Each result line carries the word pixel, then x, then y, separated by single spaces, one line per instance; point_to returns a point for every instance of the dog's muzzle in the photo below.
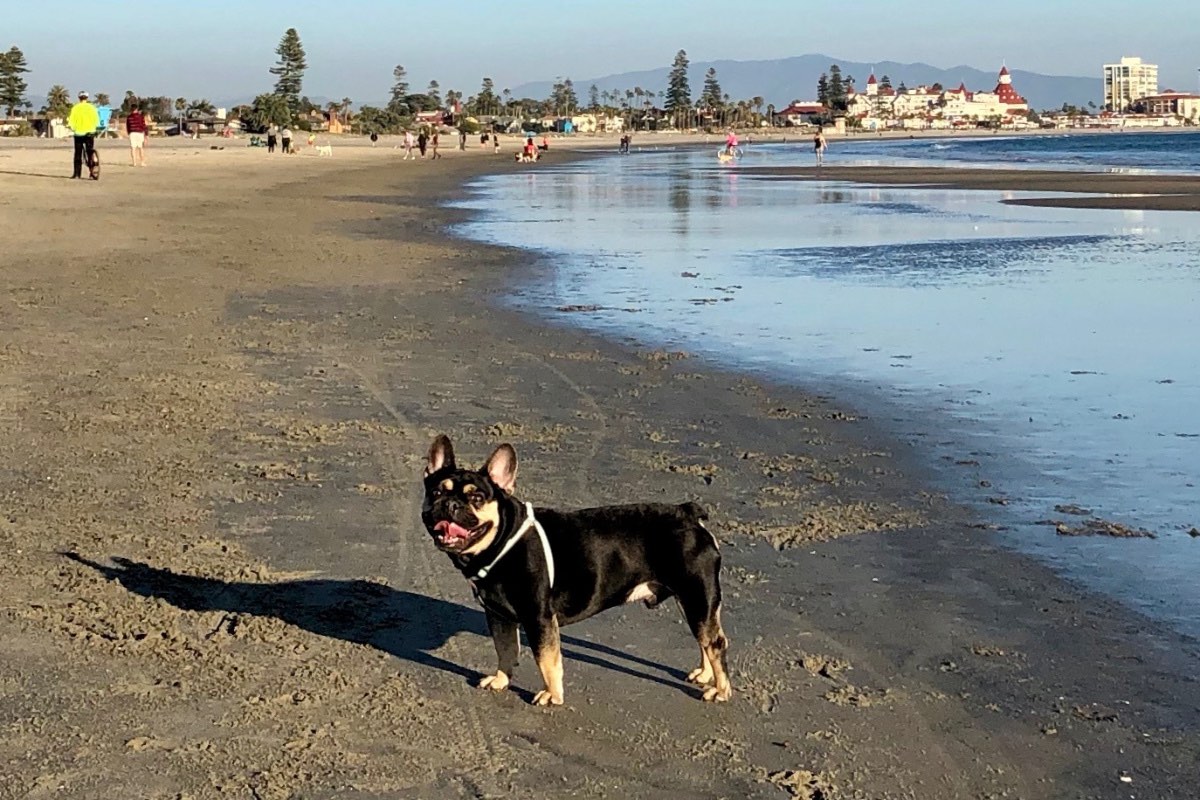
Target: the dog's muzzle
pixel 449 535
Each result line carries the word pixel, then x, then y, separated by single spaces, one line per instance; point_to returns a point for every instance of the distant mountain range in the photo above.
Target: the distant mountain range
pixel 782 80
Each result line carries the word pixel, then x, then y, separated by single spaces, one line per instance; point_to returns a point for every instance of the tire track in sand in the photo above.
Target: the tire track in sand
pixel 404 502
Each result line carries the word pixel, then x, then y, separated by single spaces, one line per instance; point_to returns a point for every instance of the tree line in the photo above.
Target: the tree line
pixel 286 105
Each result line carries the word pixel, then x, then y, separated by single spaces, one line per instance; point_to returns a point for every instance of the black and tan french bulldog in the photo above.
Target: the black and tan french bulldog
pixel 539 569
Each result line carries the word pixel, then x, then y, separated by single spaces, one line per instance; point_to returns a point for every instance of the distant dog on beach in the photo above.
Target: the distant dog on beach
pixel 325 150
pixel 541 568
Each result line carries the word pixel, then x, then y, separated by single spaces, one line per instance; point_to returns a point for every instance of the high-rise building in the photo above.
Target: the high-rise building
pixel 1128 82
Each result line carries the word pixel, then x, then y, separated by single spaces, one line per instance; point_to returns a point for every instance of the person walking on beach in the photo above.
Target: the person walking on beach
pixel 285 139
pixel 135 126
pixel 819 146
pixel 83 121
pixel 462 138
pixel 272 137
pixel 374 138
pixel 433 144
pixel 496 144
pixel 422 142
pixel 408 145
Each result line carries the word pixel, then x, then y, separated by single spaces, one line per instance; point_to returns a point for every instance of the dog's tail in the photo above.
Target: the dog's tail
pixel 694 511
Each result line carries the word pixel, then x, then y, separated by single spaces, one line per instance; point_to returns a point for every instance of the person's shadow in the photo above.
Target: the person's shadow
pixel 403 624
pixel 34 174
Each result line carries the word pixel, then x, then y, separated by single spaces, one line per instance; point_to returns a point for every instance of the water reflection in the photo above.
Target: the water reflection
pixel 1058 341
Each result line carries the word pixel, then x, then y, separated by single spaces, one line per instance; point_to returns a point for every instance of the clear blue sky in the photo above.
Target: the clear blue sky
pixel 221 49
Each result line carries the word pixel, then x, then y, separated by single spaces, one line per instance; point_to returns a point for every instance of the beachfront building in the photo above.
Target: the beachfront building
pixel 801 112
pixel 1127 82
pixel 877 102
pixel 597 123
pixel 936 107
pixel 1004 103
pixel 432 119
pixel 917 102
pixel 1176 104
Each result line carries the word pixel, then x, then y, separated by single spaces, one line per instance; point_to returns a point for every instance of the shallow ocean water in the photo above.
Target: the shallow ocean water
pixel 1142 151
pixel 1051 352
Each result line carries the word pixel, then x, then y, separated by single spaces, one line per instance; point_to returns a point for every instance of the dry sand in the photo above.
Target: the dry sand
pixel 218 378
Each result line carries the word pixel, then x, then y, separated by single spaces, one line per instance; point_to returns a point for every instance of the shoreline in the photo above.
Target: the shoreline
pixel 960 451
pixel 1088 189
pixel 242 414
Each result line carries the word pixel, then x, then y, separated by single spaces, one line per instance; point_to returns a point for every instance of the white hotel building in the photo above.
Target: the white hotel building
pixel 1128 82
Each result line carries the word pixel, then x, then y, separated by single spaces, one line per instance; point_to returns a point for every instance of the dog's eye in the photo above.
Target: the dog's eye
pixel 476 498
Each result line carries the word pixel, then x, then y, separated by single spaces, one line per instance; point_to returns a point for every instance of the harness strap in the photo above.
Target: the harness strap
pixel 530 522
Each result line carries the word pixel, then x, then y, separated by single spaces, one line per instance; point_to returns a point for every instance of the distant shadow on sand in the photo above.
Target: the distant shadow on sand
pixel 403 624
pixel 34 174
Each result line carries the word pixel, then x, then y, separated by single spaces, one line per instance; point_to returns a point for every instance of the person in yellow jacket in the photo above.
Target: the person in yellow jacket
pixel 83 122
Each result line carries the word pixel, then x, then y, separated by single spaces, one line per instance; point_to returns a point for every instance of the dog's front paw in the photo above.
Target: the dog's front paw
pixel 718 694
pixel 701 675
pixel 546 698
pixel 497 682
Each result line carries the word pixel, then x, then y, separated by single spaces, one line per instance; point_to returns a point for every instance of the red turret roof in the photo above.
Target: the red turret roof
pixel 1006 91
pixel 871 79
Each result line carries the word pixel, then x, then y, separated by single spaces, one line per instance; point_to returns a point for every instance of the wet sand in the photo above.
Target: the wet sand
pixel 1090 189
pixel 218 380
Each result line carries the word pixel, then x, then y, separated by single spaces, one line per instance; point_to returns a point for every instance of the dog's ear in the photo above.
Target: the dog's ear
pixel 501 467
pixel 441 455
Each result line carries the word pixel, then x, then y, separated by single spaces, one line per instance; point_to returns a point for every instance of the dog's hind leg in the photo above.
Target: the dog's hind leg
pixel 716 645
pixel 701 602
pixel 543 638
pixel 508 648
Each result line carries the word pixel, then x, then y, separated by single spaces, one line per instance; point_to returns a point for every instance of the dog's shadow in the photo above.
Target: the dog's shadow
pixel 403 624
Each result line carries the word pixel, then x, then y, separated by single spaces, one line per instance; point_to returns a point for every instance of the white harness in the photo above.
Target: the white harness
pixel 530 522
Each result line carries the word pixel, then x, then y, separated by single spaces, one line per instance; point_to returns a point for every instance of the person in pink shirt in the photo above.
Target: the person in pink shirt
pixel 731 143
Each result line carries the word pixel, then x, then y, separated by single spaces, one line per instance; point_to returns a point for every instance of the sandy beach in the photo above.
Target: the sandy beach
pixel 218 380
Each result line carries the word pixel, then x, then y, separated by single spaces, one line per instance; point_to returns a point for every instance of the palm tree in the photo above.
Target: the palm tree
pixel 345 107
pixel 180 104
pixel 58 101
pixel 201 107
pixel 507 93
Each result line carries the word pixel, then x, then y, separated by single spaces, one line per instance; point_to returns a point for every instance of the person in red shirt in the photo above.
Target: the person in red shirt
pixel 135 126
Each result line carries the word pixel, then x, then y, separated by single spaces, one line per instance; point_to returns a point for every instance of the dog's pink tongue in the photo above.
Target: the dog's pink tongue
pixel 452 529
